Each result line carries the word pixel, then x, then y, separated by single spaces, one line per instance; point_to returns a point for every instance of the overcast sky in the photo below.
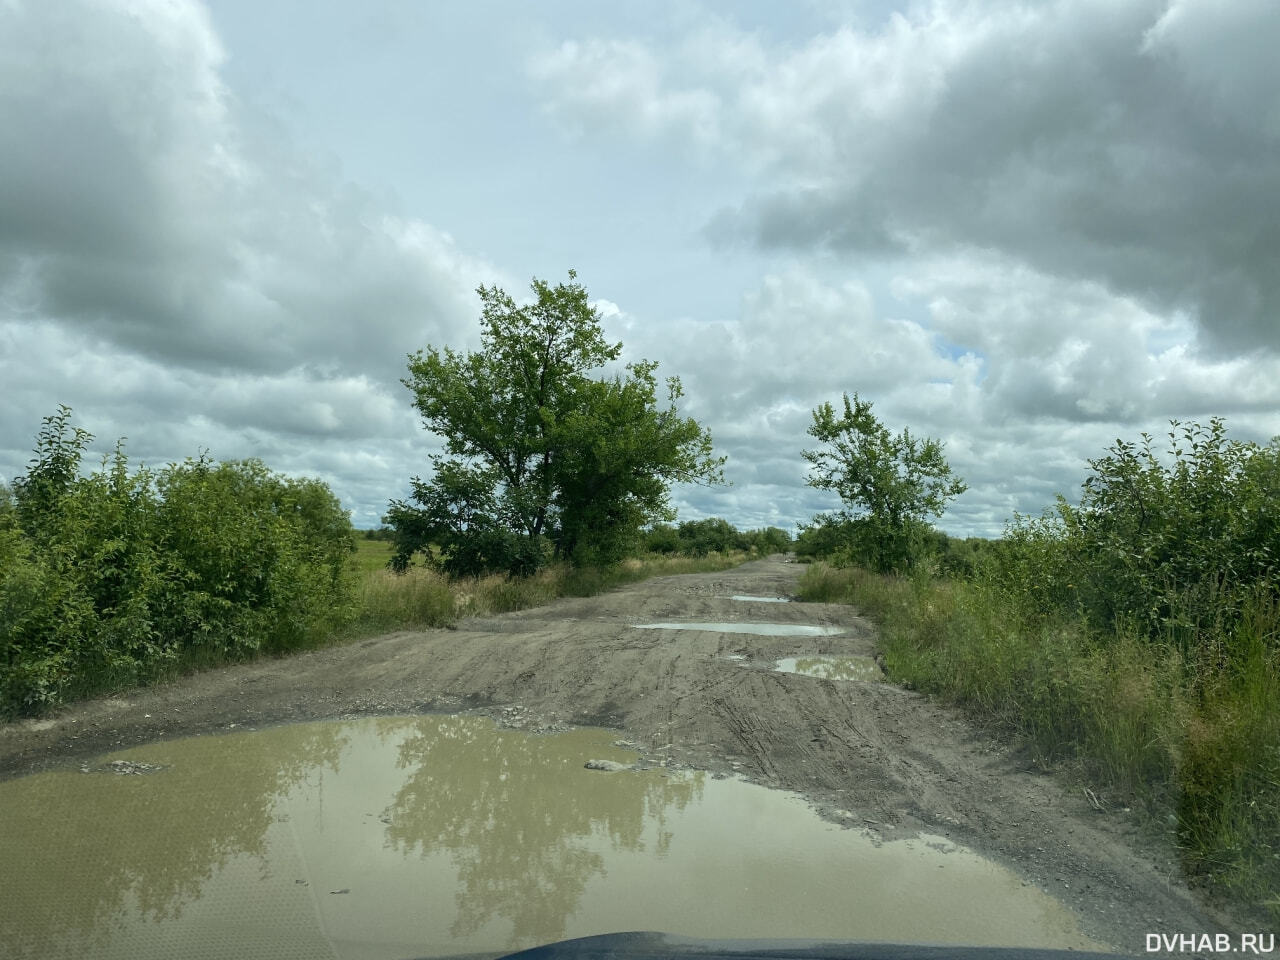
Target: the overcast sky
pixel 1025 229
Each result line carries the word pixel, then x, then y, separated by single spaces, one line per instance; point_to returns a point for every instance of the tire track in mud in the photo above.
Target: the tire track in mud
pixel 744 729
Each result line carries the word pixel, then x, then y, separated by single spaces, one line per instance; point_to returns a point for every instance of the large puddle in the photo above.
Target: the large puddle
pixel 758 629
pixel 834 667
pixel 411 837
pixel 754 599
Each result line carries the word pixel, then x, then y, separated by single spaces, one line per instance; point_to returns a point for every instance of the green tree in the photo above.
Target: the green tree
pixel 538 451
pixel 889 484
pixel 712 535
pixel 769 540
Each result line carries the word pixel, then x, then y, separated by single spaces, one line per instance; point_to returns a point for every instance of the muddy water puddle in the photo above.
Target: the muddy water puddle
pixel 831 667
pixel 426 836
pixel 757 629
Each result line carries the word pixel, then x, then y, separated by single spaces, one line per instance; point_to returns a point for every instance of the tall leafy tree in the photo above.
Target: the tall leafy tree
pixel 538 451
pixel 889 483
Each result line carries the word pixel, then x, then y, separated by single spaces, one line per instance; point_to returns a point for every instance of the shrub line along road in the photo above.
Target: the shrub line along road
pixel 868 755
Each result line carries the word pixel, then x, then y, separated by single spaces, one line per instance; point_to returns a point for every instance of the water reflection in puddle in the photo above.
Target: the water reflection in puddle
pixel 398 837
pixel 758 629
pixel 751 599
pixel 832 667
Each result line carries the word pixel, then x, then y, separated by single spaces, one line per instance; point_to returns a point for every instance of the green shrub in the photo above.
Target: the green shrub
pixel 661 538
pixel 110 578
pixel 698 538
pixel 869 541
pixel 1136 636
pixel 712 535
pixel 1173 549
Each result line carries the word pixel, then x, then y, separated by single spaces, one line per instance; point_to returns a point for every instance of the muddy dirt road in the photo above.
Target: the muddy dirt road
pixel 869 755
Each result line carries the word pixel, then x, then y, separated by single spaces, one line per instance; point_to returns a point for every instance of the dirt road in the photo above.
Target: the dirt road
pixel 867 754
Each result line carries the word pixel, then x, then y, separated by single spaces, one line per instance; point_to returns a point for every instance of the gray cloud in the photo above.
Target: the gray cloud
pixel 1132 143
pixel 1017 228
pixel 1053 371
pixel 180 272
pixel 145 204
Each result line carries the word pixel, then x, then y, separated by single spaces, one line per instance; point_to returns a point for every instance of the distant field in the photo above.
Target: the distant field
pixel 371 554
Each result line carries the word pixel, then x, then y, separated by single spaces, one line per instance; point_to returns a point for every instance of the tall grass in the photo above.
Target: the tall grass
pixel 422 597
pixel 1193 739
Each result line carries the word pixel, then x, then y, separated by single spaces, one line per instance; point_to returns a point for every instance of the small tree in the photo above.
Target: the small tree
pixel 889 484
pixel 1175 547
pixel 537 451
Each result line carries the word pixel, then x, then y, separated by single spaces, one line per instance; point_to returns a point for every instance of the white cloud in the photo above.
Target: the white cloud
pixel 1130 143
pixel 177 270
pixel 145 204
pixel 1025 229
pixel 620 84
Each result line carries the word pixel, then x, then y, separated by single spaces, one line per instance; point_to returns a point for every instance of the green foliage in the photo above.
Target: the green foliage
pixel 51 474
pixel 618 454
pixel 699 538
pixel 824 538
pixel 768 540
pixel 889 485
pixel 869 541
pixel 1175 549
pixel 541 460
pixel 959 558
pixel 712 535
pixel 107 578
pixel 662 538
pixel 1136 635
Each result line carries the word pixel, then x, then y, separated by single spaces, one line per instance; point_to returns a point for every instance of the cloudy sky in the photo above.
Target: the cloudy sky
pixel 1025 229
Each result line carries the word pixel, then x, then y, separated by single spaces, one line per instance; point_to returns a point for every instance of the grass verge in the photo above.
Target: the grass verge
pixel 1195 745
pixel 382 601
pixel 421 597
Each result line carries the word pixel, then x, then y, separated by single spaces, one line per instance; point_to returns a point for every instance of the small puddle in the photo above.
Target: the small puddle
pixel 759 629
pixel 749 599
pixel 395 837
pixel 832 667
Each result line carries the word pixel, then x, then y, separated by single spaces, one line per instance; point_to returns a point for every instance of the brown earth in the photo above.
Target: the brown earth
pixel 866 754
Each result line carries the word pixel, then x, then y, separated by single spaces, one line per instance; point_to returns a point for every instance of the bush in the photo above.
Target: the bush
pixel 1137 635
pixel 868 541
pixel 661 538
pixel 106 579
pixel 768 540
pixel 698 538
pixel 1175 551
pixel 713 535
